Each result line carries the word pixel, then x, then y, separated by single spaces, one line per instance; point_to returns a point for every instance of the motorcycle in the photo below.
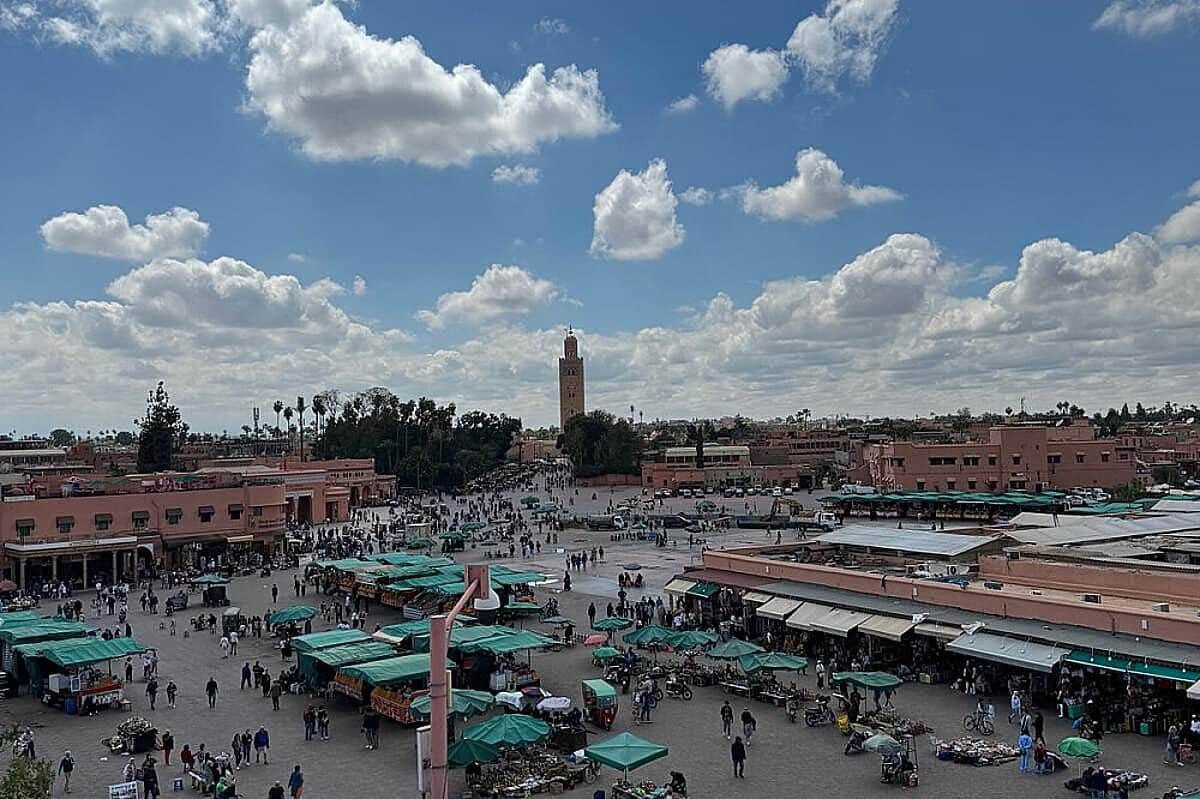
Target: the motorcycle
pixel 792 709
pixel 620 676
pixel 678 784
pixel 677 688
pixel 820 713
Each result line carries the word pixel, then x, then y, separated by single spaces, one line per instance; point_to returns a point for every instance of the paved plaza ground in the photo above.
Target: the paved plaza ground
pixel 786 760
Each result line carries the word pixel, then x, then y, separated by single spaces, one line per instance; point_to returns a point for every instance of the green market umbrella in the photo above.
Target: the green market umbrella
pixel 733 649
pixel 514 729
pixel 650 634
pixel 470 527
pixel 612 623
pixel 625 751
pixel 292 614
pixel 771 661
pixel 531 500
pixel 1079 748
pixel 210 579
pixel 463 703
pixel 465 752
pixel 420 543
pixel 875 680
pixel 691 639
pixel 601 653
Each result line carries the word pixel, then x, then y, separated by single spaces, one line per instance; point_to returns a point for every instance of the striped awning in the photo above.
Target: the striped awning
pixel 839 621
pixel 777 609
pixel 889 627
pixel 678 586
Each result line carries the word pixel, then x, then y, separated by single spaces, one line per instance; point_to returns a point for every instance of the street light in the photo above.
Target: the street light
pixel 484 601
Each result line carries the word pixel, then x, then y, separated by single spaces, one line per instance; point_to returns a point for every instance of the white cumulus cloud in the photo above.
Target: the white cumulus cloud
pixel 1194 189
pixel 359 286
pixel 683 104
pixel 551 26
pixel 735 73
pixel 104 231
pixel 695 195
pixel 518 174
pixel 500 291
pixel 1147 18
pixel 345 94
pixel 1182 227
pixel 635 216
pixel 818 192
pixel 846 38
pixel 159 27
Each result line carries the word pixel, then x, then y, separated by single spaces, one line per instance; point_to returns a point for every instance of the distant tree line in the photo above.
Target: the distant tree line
pixel 600 443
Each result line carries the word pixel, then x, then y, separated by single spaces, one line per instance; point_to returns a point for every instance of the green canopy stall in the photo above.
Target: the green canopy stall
pixel 612 624
pixel 391 671
pixel 771 661
pixel 330 659
pixel 513 729
pixel 874 680
pixel 323 640
pixel 464 704
pixel 291 615
pixel 733 649
pixel 625 751
pixel 465 752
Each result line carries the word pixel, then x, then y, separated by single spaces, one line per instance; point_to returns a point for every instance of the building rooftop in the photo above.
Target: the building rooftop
pixel 1097 529
pixel 915 542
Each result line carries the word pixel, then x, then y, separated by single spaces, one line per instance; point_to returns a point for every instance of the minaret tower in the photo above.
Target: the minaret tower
pixel 570 380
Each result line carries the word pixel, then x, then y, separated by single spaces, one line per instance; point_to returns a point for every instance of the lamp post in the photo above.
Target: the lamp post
pixel 478 589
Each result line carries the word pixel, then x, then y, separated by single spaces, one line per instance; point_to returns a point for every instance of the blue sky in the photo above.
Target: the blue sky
pixel 985 128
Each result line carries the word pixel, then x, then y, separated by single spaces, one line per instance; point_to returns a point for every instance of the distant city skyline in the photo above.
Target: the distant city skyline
pixel 852 208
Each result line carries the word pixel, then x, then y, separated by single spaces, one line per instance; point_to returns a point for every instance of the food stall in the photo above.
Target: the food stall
pixel 509 674
pixel 65 672
pixel 627 752
pixel 32 631
pixel 388 685
pixel 319 666
pixel 213 587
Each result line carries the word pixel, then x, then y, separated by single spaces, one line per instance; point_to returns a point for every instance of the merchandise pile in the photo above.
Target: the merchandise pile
pixel 974 751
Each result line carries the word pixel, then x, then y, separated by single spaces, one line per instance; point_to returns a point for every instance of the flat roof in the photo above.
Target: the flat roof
pixel 710 449
pixel 1097 529
pixel 915 541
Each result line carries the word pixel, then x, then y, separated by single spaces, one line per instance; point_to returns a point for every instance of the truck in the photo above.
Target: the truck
pixel 605 521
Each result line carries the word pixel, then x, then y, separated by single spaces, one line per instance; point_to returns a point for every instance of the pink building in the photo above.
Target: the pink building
pixel 723 466
pixel 1012 458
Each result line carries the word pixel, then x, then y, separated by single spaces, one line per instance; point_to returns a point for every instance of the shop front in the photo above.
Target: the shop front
pixel 998 665
pixel 1133 696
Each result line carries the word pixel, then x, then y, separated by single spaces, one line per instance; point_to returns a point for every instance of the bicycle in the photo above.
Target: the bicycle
pixel 978 722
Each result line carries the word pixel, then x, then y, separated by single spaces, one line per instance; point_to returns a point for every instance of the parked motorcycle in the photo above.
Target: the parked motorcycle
pixel 677 688
pixel 820 713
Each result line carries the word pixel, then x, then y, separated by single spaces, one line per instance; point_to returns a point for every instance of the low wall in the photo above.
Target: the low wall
pixel 606 480
pixel 1149 584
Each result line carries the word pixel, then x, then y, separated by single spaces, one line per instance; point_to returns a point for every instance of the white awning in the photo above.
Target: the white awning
pixel 1194 691
pixel 678 586
pixel 946 632
pixel 1010 651
pixel 757 597
pixel 802 617
pixel 888 627
pixel 777 609
pixel 839 621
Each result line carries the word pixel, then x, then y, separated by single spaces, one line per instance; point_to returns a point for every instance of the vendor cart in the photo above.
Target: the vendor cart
pixel 177 602
pixel 600 703
pixel 232 619
pixel 215 596
pixel 134 736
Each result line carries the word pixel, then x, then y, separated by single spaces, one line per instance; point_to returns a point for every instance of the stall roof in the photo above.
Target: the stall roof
pixel 703 590
pixel 915 541
pixel 1091 529
pixel 324 640
pixel 506 643
pixel 839 621
pixel 348 654
pixel 1010 651
pixel 678 586
pixel 777 608
pixel 390 671
pixel 801 618
pixel 16 618
pixel 888 627
pixel 44 630
pixel 756 597
pixel 75 652
pixel 515 578
pixel 1124 666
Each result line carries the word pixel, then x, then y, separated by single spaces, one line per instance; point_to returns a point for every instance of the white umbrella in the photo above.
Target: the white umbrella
pixel 513 699
pixel 554 703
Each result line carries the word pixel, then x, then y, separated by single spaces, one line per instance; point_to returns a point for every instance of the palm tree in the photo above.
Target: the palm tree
pixel 287 414
pixel 278 406
pixel 300 410
pixel 318 409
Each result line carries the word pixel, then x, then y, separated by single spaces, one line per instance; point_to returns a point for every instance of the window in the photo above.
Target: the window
pixel 141 519
pixel 206 513
pixel 1122 456
pixel 24 527
pixel 103 522
pixel 257 510
pixel 920 485
pixel 970 460
pixel 1079 457
pixel 971 485
pixel 65 524
pixel 898 462
pixel 943 461
pixel 1016 460
pixel 1104 457
pixel 991 460
pixel 235 512
pixel 174 515
pixel 950 484
pixel 1052 459
pixel 1016 484
pixel 991 484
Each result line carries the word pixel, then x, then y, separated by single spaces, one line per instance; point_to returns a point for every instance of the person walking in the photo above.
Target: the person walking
pixel 370 727
pixel 262 745
pixel 65 767
pixel 1174 740
pixel 727 720
pixel 1039 725
pixel 168 745
pixel 592 614
pixel 236 746
pixel 1039 757
pixel 274 593
pixel 296 782
pixel 310 723
pixel 152 691
pixel 247 675
pixel 128 671
pixel 172 691
pixel 1014 708
pixel 748 725
pixel 820 674
pixel 1025 744
pixel 276 692
pixel 247 740
pixel 210 688
pixel 323 723
pixel 233 642
pixel 150 779
pixel 186 758
pixel 738 753
pixel 224 644
pixel 276 791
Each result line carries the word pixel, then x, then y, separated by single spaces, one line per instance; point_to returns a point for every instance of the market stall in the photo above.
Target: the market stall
pixel 319 666
pixel 388 685
pixel 628 752
pixel 213 587
pixel 66 674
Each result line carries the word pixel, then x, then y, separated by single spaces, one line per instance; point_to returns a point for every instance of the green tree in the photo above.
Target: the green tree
pixel 161 431
pixel 278 408
pixel 61 437
pixel 26 777
pixel 125 438
pixel 300 409
pixel 600 443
